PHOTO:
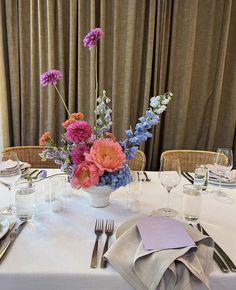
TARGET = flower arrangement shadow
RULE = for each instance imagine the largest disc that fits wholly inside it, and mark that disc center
(91, 156)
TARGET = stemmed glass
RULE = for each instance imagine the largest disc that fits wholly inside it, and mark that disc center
(222, 165)
(10, 173)
(169, 176)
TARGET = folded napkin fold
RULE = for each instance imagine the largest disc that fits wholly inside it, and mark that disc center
(24, 166)
(228, 177)
(179, 269)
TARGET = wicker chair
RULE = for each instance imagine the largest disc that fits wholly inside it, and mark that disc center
(189, 158)
(30, 154)
(139, 161)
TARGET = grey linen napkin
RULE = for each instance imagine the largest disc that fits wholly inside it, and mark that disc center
(179, 269)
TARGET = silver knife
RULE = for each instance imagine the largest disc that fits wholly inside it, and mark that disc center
(10, 240)
(222, 253)
(221, 264)
(11, 226)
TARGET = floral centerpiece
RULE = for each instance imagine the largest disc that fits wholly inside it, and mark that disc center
(91, 156)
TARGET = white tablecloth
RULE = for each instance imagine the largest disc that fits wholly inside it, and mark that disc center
(53, 251)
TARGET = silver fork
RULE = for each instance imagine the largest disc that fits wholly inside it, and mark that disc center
(109, 232)
(98, 231)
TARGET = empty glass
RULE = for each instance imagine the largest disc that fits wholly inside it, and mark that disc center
(57, 193)
(10, 173)
(134, 190)
(169, 176)
(222, 165)
(201, 176)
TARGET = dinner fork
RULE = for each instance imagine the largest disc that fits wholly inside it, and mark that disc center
(98, 231)
(109, 232)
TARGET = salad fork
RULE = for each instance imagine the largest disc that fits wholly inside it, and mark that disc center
(109, 232)
(98, 231)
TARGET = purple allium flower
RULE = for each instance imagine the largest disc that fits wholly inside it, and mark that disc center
(79, 131)
(50, 77)
(77, 153)
(92, 37)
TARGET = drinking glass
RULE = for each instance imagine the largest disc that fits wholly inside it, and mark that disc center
(222, 165)
(10, 173)
(201, 176)
(169, 176)
(191, 205)
(134, 190)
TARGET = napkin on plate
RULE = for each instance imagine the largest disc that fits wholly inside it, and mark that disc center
(228, 177)
(151, 270)
(24, 166)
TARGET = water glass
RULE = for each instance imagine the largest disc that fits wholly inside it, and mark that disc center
(201, 176)
(191, 202)
(134, 190)
(25, 201)
(42, 197)
(57, 193)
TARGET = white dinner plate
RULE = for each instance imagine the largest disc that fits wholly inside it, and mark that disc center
(216, 182)
(4, 226)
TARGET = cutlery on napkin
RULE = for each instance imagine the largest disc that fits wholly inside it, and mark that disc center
(222, 253)
(221, 264)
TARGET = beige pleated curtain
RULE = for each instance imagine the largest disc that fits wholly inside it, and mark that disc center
(149, 47)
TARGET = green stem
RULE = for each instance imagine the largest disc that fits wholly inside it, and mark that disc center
(96, 86)
(62, 100)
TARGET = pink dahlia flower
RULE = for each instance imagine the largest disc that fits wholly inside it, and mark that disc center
(77, 153)
(106, 154)
(92, 37)
(50, 77)
(78, 131)
(85, 175)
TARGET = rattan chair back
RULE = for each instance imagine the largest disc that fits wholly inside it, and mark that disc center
(139, 161)
(190, 158)
(30, 154)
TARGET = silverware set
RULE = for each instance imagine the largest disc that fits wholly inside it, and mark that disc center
(188, 176)
(99, 230)
(140, 176)
(222, 259)
(7, 241)
(35, 174)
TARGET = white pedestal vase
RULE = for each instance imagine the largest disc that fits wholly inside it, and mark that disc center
(99, 196)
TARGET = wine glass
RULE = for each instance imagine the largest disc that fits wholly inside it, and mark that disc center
(222, 165)
(10, 173)
(169, 176)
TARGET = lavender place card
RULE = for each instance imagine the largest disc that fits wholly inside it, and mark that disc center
(160, 233)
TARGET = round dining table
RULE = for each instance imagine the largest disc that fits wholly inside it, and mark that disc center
(54, 249)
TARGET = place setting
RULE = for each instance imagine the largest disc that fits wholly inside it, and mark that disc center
(116, 155)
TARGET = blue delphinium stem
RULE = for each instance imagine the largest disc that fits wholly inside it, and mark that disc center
(140, 133)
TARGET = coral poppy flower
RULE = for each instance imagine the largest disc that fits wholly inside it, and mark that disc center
(106, 154)
(85, 175)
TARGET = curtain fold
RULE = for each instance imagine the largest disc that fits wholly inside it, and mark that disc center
(149, 47)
